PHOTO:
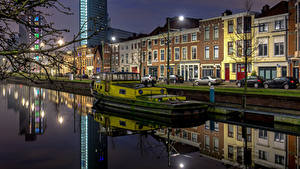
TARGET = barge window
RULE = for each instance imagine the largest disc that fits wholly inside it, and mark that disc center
(122, 91)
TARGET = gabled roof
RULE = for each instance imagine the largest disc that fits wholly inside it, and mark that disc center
(278, 9)
(176, 24)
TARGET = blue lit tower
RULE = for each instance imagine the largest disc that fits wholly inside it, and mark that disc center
(93, 18)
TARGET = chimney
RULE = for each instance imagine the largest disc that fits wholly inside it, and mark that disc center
(265, 8)
(227, 12)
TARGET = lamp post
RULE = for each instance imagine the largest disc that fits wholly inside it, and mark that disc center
(180, 18)
(113, 39)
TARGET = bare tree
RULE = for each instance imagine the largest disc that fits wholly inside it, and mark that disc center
(25, 58)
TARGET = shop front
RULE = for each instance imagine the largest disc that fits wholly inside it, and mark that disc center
(189, 72)
(270, 70)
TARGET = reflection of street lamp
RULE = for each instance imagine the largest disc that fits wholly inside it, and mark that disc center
(42, 44)
(181, 165)
(60, 119)
(180, 18)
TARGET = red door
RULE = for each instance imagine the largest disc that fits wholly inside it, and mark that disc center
(240, 72)
(227, 71)
(134, 69)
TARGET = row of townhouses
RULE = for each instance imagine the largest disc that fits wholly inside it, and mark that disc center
(208, 47)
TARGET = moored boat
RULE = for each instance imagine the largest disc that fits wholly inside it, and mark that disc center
(125, 91)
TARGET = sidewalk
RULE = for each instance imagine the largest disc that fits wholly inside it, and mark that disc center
(224, 84)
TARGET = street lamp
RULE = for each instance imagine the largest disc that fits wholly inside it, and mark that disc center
(180, 18)
(113, 39)
(60, 42)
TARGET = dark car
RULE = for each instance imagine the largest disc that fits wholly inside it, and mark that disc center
(175, 79)
(252, 81)
(84, 76)
(282, 82)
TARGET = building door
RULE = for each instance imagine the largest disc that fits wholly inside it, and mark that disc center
(296, 73)
(240, 72)
(134, 69)
(227, 71)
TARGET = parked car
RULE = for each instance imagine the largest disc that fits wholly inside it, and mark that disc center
(148, 78)
(175, 79)
(282, 82)
(84, 76)
(252, 81)
(208, 80)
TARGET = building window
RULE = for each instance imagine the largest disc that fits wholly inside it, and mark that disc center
(230, 152)
(247, 24)
(184, 38)
(278, 48)
(177, 53)
(283, 71)
(206, 52)
(230, 48)
(162, 54)
(263, 50)
(149, 57)
(239, 155)
(206, 141)
(216, 144)
(279, 137)
(207, 125)
(249, 134)
(196, 71)
(230, 26)
(279, 159)
(122, 91)
(279, 24)
(216, 52)
(143, 44)
(194, 52)
(239, 133)
(194, 36)
(155, 55)
(247, 48)
(184, 134)
(207, 71)
(126, 58)
(184, 52)
(230, 130)
(155, 41)
(162, 70)
(162, 41)
(122, 58)
(177, 39)
(239, 48)
(263, 134)
(206, 33)
(144, 56)
(239, 25)
(216, 126)
(216, 32)
(262, 155)
(149, 44)
(194, 137)
(263, 27)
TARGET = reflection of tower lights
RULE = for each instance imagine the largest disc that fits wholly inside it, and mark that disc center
(3, 92)
(27, 104)
(32, 107)
(44, 95)
(16, 95)
(9, 91)
(43, 114)
(23, 101)
(60, 119)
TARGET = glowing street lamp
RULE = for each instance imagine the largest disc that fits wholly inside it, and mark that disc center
(180, 18)
(42, 44)
(60, 119)
(113, 38)
(60, 42)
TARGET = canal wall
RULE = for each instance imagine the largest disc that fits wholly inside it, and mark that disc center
(280, 102)
(64, 86)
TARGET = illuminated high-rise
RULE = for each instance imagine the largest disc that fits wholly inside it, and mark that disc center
(93, 21)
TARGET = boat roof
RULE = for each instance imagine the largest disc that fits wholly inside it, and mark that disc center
(119, 76)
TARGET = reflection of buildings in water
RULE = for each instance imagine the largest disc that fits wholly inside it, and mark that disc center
(270, 149)
(93, 144)
(83, 104)
(29, 102)
(234, 145)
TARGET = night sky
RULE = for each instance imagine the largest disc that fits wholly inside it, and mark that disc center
(142, 16)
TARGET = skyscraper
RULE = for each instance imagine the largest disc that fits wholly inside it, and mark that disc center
(93, 18)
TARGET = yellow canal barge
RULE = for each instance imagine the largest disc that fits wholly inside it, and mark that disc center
(125, 91)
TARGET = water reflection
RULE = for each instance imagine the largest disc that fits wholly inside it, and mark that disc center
(64, 128)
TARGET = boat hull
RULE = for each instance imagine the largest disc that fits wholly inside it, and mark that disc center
(147, 107)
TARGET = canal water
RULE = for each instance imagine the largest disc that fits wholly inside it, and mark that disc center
(43, 128)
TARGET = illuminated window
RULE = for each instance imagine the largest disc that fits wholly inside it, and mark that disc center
(36, 46)
(37, 35)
